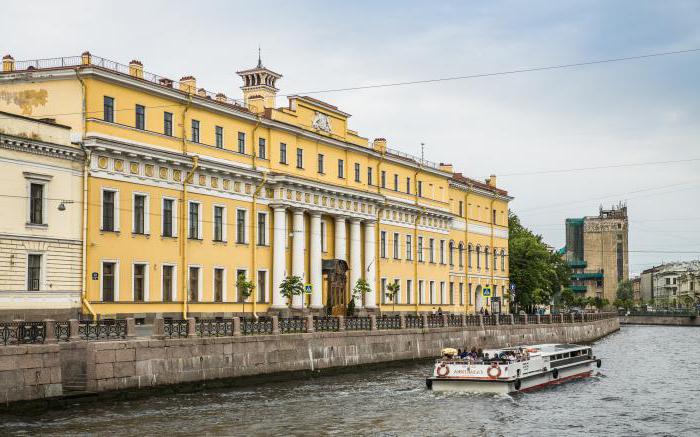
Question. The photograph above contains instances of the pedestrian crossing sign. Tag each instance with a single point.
(308, 288)
(486, 291)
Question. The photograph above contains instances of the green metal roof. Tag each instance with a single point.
(579, 288)
(575, 221)
(577, 263)
(587, 275)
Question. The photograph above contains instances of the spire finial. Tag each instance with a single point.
(259, 58)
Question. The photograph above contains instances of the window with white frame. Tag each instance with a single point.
(503, 260)
(239, 291)
(194, 283)
(432, 292)
(461, 293)
(110, 206)
(219, 284)
(241, 219)
(140, 282)
(110, 281)
(37, 187)
(34, 274)
(431, 250)
(262, 286)
(397, 246)
(451, 253)
(219, 214)
(452, 293)
(169, 226)
(421, 292)
(397, 296)
(140, 214)
(409, 291)
(442, 251)
(383, 290)
(419, 250)
(443, 298)
(262, 229)
(409, 247)
(195, 221)
(167, 281)
(382, 244)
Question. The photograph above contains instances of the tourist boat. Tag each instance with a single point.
(513, 369)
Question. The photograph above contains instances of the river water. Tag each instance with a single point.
(648, 384)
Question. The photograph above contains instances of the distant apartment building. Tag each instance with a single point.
(597, 251)
(671, 284)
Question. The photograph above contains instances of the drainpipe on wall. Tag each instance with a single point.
(377, 233)
(466, 242)
(86, 170)
(183, 212)
(415, 238)
(254, 219)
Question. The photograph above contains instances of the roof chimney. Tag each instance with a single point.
(136, 69)
(188, 84)
(447, 168)
(86, 58)
(202, 92)
(166, 82)
(491, 181)
(221, 97)
(8, 63)
(379, 145)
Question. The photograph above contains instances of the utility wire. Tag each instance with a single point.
(601, 167)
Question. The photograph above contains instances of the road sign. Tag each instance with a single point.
(308, 288)
(486, 291)
(95, 276)
(512, 287)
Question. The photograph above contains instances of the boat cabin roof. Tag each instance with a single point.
(541, 349)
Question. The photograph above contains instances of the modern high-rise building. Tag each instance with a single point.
(597, 251)
(186, 190)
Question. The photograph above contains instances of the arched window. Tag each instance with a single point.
(470, 249)
(503, 260)
(486, 257)
(452, 253)
(461, 254)
(478, 257)
(495, 259)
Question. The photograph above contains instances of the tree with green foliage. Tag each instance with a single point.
(624, 297)
(245, 288)
(392, 289)
(538, 273)
(361, 289)
(291, 286)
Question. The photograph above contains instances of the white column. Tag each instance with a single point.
(371, 265)
(315, 260)
(279, 259)
(355, 257)
(298, 253)
(340, 245)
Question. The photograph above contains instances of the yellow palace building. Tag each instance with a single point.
(184, 190)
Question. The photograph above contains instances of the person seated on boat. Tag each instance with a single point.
(480, 353)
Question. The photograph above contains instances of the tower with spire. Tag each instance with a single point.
(259, 86)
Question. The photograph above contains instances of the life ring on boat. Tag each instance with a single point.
(555, 373)
(517, 384)
(442, 370)
(598, 363)
(494, 371)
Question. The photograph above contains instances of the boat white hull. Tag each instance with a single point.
(531, 382)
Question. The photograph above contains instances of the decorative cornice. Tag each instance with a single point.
(42, 148)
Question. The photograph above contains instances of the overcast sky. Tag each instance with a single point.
(617, 113)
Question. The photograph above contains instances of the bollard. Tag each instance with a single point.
(236, 326)
(341, 323)
(464, 320)
(158, 328)
(191, 328)
(425, 321)
(402, 321)
(372, 322)
(130, 327)
(309, 323)
(74, 330)
(275, 325)
(50, 331)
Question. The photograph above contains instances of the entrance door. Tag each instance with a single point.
(335, 271)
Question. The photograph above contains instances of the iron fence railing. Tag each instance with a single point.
(292, 325)
(358, 324)
(14, 333)
(175, 328)
(324, 324)
(61, 331)
(107, 329)
(454, 320)
(390, 322)
(413, 322)
(489, 319)
(261, 325)
(213, 327)
(472, 320)
(503, 319)
(435, 321)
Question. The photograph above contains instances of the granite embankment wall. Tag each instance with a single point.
(143, 363)
(660, 320)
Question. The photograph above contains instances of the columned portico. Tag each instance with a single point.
(298, 254)
(370, 265)
(340, 243)
(315, 262)
(279, 260)
(355, 257)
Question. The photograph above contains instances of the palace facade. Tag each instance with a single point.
(187, 190)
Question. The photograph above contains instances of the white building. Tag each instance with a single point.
(668, 284)
(41, 191)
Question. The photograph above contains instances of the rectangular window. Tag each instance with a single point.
(240, 226)
(443, 298)
(219, 223)
(382, 244)
(460, 209)
(261, 148)
(469, 290)
(33, 272)
(494, 217)
(168, 217)
(397, 247)
(139, 214)
(140, 117)
(194, 221)
(168, 277)
(452, 293)
(357, 172)
(194, 284)
(262, 229)
(218, 285)
(408, 185)
(262, 286)
(442, 251)
(139, 282)
(108, 210)
(36, 204)
(195, 131)
(409, 291)
(320, 163)
(420, 249)
(239, 295)
(383, 179)
(420, 189)
(341, 169)
(396, 182)
(383, 290)
(168, 124)
(219, 134)
(431, 250)
(241, 142)
(108, 278)
(461, 293)
(369, 176)
(421, 292)
(431, 291)
(300, 158)
(283, 153)
(108, 104)
(409, 247)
